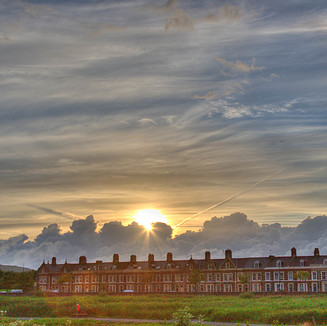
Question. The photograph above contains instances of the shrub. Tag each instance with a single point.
(247, 295)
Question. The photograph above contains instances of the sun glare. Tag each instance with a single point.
(146, 217)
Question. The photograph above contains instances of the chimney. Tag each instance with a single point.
(169, 257)
(54, 261)
(228, 253)
(293, 252)
(150, 258)
(316, 252)
(207, 256)
(115, 259)
(82, 260)
(98, 262)
(271, 257)
(133, 259)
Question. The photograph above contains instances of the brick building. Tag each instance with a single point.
(228, 275)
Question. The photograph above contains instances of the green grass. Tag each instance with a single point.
(266, 309)
(65, 322)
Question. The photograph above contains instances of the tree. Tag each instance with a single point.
(245, 279)
(66, 278)
(195, 277)
(302, 275)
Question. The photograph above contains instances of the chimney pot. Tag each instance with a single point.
(169, 257)
(151, 258)
(293, 252)
(316, 252)
(228, 253)
(115, 259)
(133, 259)
(207, 255)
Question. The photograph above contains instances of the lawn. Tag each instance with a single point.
(266, 309)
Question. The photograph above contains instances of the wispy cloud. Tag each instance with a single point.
(239, 66)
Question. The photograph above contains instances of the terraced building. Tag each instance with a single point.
(216, 276)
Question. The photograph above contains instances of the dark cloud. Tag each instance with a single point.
(236, 231)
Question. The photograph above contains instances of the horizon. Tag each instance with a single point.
(187, 113)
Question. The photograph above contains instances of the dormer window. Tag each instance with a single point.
(114, 267)
(256, 264)
(168, 266)
(325, 262)
(278, 263)
(301, 263)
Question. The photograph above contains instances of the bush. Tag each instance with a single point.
(247, 295)
(183, 317)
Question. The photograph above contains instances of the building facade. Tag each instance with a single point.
(290, 274)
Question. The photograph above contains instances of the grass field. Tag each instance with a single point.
(65, 322)
(268, 309)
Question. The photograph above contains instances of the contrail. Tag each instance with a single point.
(66, 215)
(229, 198)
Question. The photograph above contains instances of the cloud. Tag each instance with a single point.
(208, 96)
(225, 12)
(97, 30)
(239, 66)
(236, 231)
(146, 122)
(180, 20)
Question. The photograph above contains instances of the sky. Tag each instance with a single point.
(111, 107)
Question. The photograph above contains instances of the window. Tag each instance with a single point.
(268, 287)
(104, 278)
(278, 263)
(267, 276)
(276, 276)
(209, 277)
(314, 275)
(227, 265)
(279, 287)
(301, 263)
(302, 287)
(256, 287)
(290, 287)
(314, 287)
(323, 275)
(87, 279)
(43, 279)
(290, 276)
(281, 276)
(256, 264)
(228, 288)
(256, 277)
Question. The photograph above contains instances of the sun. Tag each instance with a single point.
(146, 217)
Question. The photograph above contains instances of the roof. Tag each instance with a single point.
(185, 265)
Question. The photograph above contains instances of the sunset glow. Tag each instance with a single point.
(147, 217)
